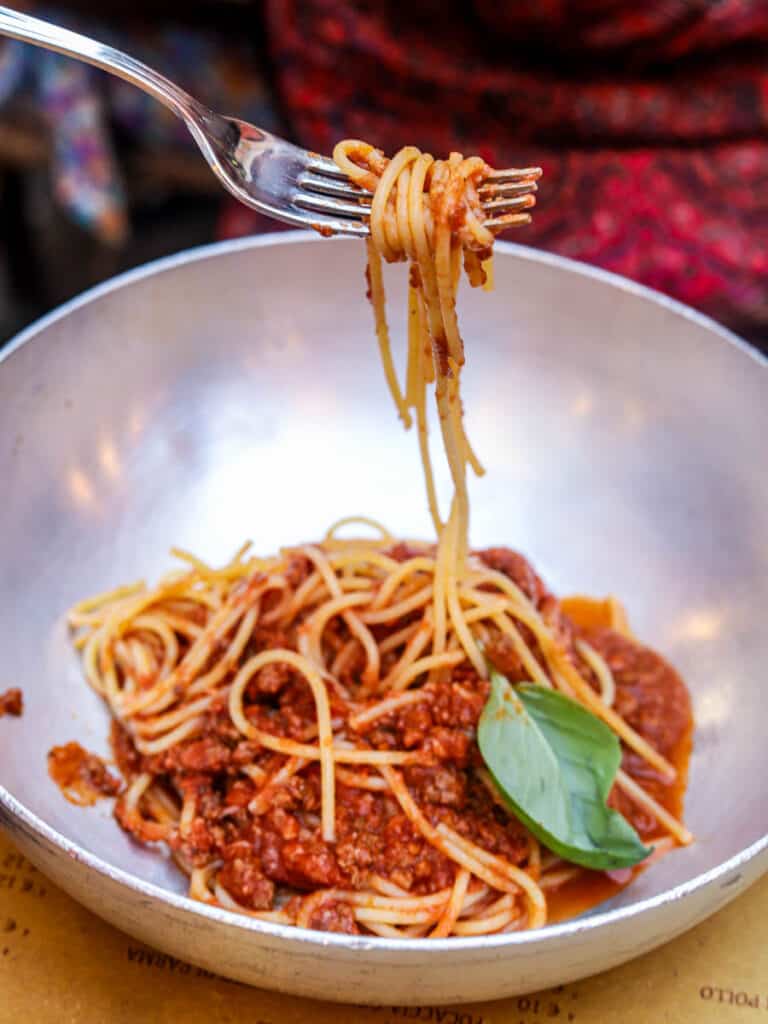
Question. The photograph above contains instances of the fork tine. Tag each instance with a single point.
(503, 209)
(328, 205)
(330, 226)
(515, 174)
(502, 193)
(332, 187)
(509, 220)
(325, 189)
(523, 176)
(325, 166)
(509, 205)
(507, 188)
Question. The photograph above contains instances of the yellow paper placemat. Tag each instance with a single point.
(59, 964)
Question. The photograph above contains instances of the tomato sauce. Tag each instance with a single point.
(82, 777)
(11, 703)
(653, 699)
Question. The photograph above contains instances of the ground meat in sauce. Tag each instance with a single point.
(81, 776)
(334, 916)
(11, 703)
(518, 569)
(127, 757)
(650, 695)
(402, 551)
(279, 844)
(243, 877)
(298, 569)
(653, 699)
(521, 572)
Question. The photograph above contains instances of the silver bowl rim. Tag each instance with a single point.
(41, 833)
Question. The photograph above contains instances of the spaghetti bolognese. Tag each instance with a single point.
(314, 735)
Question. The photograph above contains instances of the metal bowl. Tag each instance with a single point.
(234, 392)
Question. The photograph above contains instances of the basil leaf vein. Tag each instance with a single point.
(554, 762)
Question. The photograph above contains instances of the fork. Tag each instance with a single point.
(260, 169)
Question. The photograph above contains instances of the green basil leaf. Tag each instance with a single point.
(554, 762)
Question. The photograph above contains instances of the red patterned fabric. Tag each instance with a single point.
(650, 120)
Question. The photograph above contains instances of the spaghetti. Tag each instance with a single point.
(300, 730)
(351, 797)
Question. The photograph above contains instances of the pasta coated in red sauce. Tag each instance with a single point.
(82, 777)
(274, 845)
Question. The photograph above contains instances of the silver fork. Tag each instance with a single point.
(261, 170)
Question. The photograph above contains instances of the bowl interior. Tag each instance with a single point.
(237, 394)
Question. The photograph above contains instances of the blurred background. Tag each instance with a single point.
(650, 120)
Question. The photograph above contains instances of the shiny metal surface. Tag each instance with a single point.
(260, 169)
(222, 394)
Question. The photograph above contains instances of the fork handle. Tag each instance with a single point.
(72, 44)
